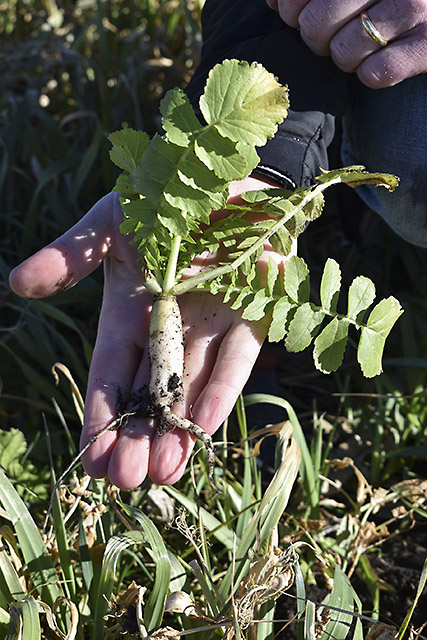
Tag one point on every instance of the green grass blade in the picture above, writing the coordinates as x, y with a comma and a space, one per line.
247, 496
10, 586
269, 511
307, 469
38, 561
154, 609
420, 589
113, 549
31, 621
342, 600
309, 621
301, 598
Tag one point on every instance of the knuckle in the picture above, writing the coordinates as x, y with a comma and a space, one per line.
310, 23
342, 54
377, 74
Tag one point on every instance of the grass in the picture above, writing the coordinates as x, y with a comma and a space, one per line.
271, 546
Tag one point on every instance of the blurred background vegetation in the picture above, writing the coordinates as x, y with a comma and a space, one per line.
71, 73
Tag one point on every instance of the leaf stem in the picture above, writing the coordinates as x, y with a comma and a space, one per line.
170, 274
211, 274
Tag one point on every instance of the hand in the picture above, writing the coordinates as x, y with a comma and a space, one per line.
333, 27
220, 347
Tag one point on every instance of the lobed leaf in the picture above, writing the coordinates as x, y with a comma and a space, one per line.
361, 295
357, 175
256, 308
297, 280
373, 336
330, 344
179, 120
244, 102
303, 327
278, 329
128, 148
330, 285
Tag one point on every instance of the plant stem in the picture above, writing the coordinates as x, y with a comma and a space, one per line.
170, 275
205, 276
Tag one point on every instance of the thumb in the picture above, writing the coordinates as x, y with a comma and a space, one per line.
71, 257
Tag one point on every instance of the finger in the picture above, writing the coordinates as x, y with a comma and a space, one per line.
71, 257
352, 44
234, 363
122, 332
272, 4
320, 20
289, 10
128, 463
401, 59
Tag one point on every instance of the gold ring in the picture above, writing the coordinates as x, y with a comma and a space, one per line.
371, 30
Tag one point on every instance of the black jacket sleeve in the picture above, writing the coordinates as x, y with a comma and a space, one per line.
249, 30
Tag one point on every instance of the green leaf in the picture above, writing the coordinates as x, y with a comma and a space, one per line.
36, 556
220, 155
179, 120
158, 165
373, 336
30, 620
303, 327
330, 285
272, 275
357, 175
330, 345
297, 280
277, 329
155, 605
256, 308
281, 241
361, 295
342, 601
244, 102
128, 147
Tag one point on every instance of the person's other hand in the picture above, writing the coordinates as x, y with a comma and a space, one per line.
333, 27
220, 347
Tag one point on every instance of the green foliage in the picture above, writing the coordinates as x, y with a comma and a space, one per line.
13, 457
178, 179
171, 184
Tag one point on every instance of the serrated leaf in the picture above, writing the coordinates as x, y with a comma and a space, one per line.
244, 102
172, 219
330, 285
281, 241
179, 120
272, 274
361, 295
219, 154
128, 148
330, 344
159, 165
136, 212
303, 327
185, 198
373, 336
277, 329
357, 175
256, 308
312, 209
297, 280
242, 295
124, 185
